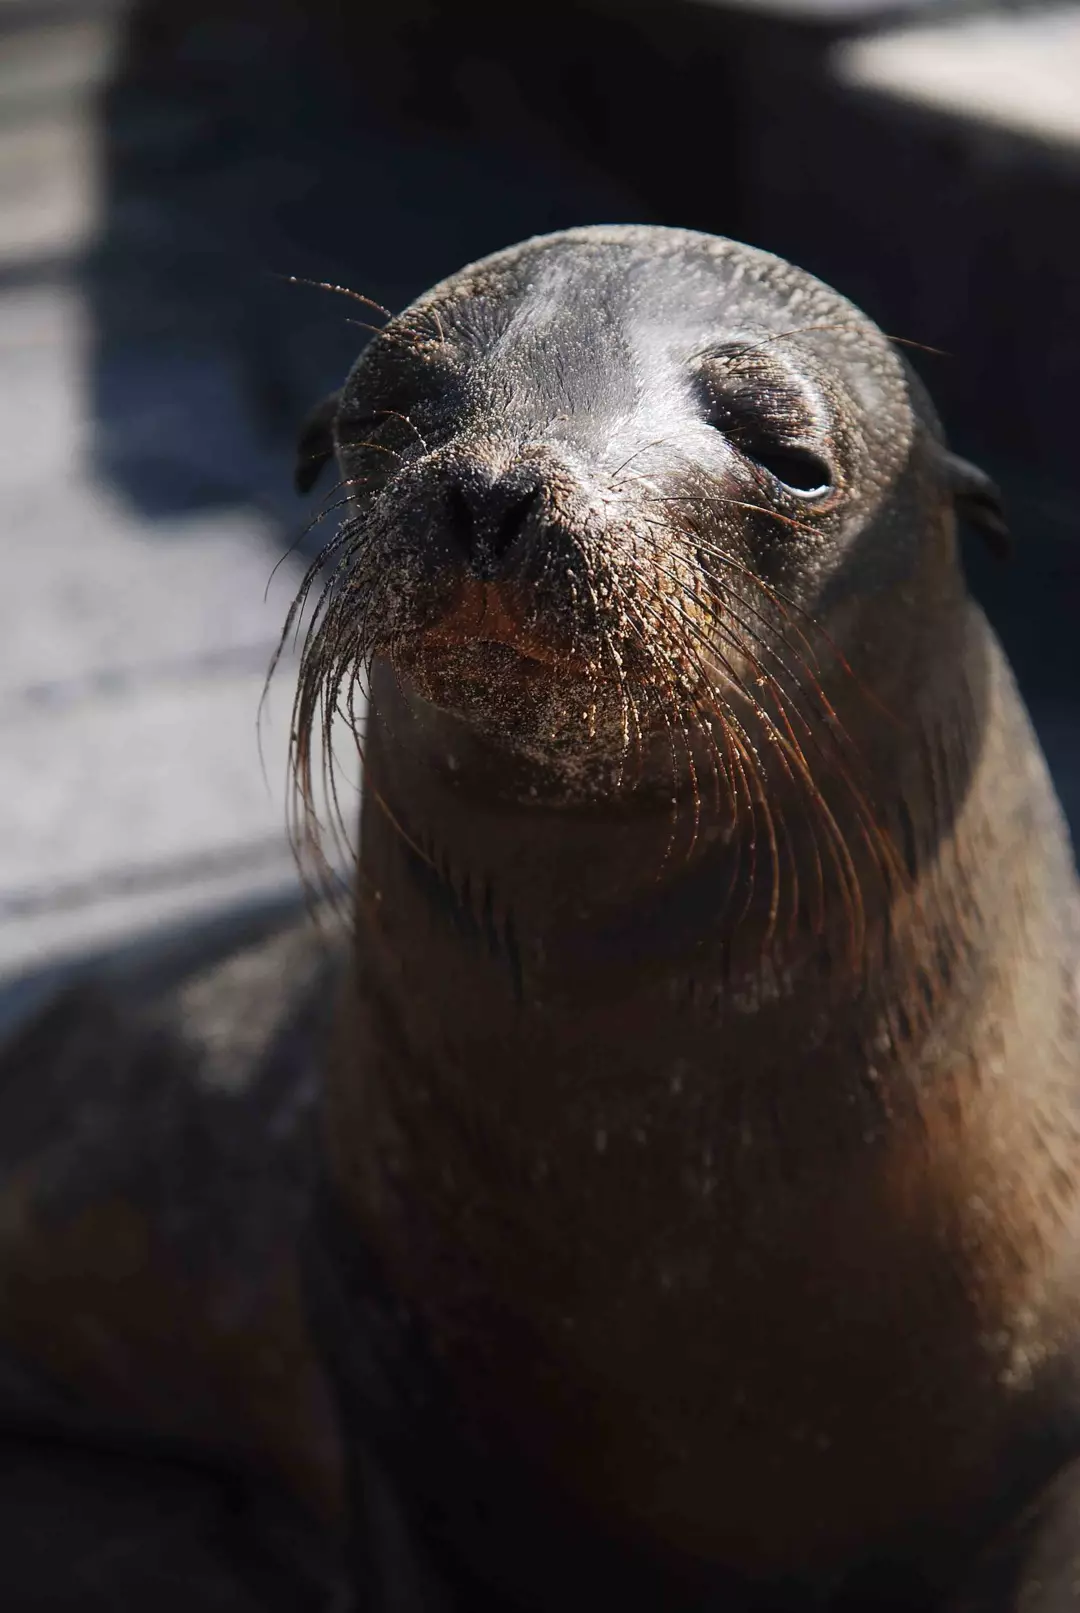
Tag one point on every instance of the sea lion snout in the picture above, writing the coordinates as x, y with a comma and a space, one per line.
483, 513
492, 514
496, 529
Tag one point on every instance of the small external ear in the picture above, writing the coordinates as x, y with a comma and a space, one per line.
979, 502
316, 443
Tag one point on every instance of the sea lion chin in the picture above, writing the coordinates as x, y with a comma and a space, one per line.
703, 1170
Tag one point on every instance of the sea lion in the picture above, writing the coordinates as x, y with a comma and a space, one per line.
695, 1219
699, 1223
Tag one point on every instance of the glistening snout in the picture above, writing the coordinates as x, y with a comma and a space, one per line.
490, 516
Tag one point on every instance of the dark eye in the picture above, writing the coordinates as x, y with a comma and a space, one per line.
800, 469
763, 419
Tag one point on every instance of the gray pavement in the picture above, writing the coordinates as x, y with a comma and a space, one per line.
132, 651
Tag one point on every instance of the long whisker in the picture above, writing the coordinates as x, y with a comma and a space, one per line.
736, 504
788, 707
672, 689
612, 480
776, 827
316, 520
786, 605
341, 291
788, 746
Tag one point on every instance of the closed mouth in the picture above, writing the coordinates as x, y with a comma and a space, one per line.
493, 613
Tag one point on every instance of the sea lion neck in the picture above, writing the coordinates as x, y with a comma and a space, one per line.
597, 875
562, 856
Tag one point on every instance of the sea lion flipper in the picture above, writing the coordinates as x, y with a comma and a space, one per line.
316, 443
978, 500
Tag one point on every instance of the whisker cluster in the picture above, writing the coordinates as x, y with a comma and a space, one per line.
670, 638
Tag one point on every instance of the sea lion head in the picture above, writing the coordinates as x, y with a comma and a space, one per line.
606, 487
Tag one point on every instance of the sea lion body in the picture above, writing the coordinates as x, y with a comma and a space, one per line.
722, 1155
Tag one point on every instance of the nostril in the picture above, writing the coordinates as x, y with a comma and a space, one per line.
487, 521
507, 527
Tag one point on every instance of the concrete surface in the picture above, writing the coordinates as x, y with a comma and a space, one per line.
132, 651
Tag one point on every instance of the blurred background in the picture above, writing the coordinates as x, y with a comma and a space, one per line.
165, 164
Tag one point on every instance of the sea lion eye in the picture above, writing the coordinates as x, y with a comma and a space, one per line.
798, 468
763, 418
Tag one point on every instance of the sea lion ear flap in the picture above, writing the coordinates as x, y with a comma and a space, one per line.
978, 501
316, 444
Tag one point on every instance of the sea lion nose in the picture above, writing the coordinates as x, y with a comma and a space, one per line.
489, 513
